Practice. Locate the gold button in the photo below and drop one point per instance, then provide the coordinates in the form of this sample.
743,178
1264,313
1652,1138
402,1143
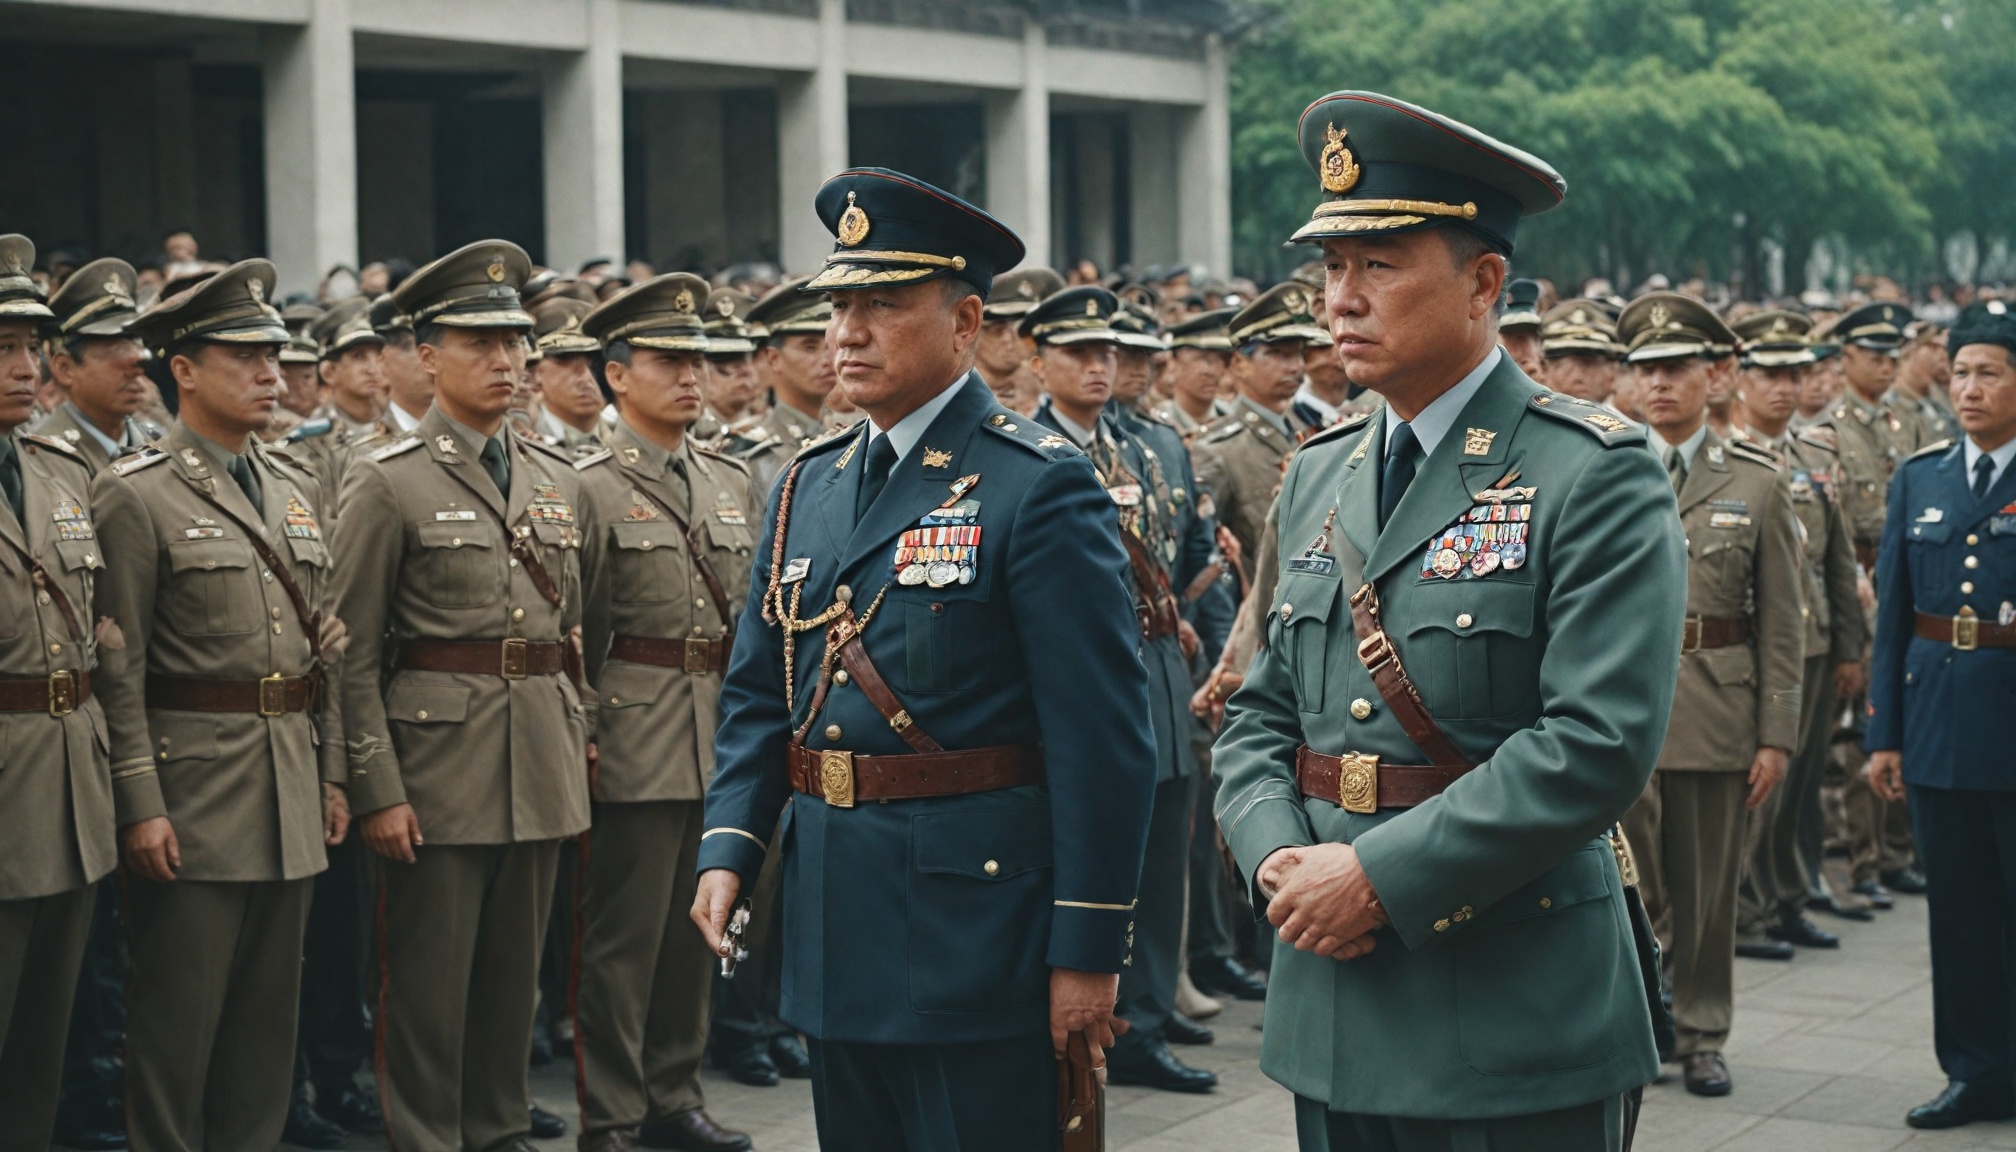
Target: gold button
992,867
647,545
276,613
699,603
1287,610
266,576
1464,620
1972,539
208,564
697,629
276,628
844,594
164,741
1441,925
840,676
42,598
513,562
1361,708
1967,587
90,559
420,715
456,542
517,613
832,731
615,700
53,648
1546,903
1971,562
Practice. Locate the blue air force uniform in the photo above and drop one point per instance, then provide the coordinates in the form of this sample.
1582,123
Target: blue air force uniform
1941,688
987,582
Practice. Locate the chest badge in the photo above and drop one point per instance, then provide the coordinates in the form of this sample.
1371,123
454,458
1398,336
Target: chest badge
1316,558
1477,441
933,458
641,508
1488,537
548,505
68,514
300,521
726,510
1932,516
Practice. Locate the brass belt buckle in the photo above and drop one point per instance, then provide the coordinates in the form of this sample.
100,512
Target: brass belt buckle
517,658
836,778
1690,636
62,693
697,662
1375,649
1358,783
1966,631
273,695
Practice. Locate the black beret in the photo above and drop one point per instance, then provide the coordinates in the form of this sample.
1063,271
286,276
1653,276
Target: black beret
1989,328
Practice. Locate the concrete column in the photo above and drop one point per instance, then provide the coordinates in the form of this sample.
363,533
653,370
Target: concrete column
311,145
1155,185
1204,154
583,145
811,143
1018,148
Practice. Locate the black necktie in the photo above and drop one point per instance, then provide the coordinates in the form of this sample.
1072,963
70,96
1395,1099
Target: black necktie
1676,468
495,463
1399,470
1984,471
874,474
241,471
10,476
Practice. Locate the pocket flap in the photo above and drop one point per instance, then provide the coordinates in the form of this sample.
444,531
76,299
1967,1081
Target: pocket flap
185,555
727,537
645,535
1931,533
309,552
1307,596
427,703
79,554
1579,879
631,685
183,739
1013,840
1733,665
454,535
1468,607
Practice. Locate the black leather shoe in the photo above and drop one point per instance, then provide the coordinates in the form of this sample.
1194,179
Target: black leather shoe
1836,907
1963,1103
750,1065
1908,880
1878,896
306,1128
1706,1074
1225,976
608,1140
692,1131
787,1052
1182,1030
1154,1066
547,1126
1798,930
1764,949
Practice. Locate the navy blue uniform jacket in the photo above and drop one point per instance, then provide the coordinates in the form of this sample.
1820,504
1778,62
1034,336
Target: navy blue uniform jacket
938,921
1944,708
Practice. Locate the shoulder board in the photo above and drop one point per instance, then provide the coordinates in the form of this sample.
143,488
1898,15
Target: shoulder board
593,458
716,454
308,430
1606,426
560,454
395,448
1754,452
1037,438
1935,449
1338,430
1222,432
750,448
60,445
145,458
812,447
1820,435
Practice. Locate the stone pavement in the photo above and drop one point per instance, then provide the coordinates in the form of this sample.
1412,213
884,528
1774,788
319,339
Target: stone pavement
1828,1054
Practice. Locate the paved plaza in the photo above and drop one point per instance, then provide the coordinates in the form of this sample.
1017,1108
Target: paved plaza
1828,1053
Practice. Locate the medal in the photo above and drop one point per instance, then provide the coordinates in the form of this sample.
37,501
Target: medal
911,575
1513,555
1447,563
941,573
1484,563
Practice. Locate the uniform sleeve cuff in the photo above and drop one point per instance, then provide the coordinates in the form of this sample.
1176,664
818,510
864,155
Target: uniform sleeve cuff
136,793
374,785
731,848
1091,938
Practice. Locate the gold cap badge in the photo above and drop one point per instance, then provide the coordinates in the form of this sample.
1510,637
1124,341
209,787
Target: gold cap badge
257,289
495,271
1340,170
853,224
683,302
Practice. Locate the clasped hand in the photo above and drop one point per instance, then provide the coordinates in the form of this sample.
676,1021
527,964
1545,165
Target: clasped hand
1323,902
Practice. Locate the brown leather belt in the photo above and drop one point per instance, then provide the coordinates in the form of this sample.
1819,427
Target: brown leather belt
273,696
696,655
1965,631
1714,632
58,693
513,659
1357,782
844,779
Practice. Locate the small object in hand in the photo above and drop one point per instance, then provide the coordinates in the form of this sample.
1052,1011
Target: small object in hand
733,952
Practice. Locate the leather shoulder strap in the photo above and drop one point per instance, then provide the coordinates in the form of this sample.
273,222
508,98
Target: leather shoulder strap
1382,660
40,577
715,589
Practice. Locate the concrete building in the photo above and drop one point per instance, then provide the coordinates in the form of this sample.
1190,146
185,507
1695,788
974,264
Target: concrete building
689,134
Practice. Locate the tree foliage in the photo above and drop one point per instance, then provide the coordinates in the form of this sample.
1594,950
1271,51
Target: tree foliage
1694,134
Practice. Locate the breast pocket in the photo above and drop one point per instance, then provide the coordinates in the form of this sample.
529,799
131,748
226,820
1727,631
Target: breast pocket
311,564
207,592
1302,618
947,645
1468,648
648,562
458,565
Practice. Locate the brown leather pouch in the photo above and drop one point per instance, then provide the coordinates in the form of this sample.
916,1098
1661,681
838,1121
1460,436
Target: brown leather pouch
1081,1099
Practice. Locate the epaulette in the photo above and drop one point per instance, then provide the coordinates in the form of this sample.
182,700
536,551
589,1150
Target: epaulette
717,454
593,458
1024,430
309,429
277,454
396,447
1606,426
1931,449
1338,430
1221,432
145,458
751,448
1820,435
1755,453
805,451
63,446
560,454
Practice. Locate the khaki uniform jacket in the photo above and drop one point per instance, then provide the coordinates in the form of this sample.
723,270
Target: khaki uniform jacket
63,424
420,554
1871,440
194,599
1742,560
654,726
1239,466
1834,624
56,826
772,443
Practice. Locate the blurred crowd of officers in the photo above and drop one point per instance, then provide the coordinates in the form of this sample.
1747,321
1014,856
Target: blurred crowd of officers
197,689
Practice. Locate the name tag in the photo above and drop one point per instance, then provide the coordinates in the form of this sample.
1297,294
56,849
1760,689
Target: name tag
1318,564
796,570
464,514
202,533
1727,520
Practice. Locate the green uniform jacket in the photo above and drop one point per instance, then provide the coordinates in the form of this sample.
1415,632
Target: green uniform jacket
1507,982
